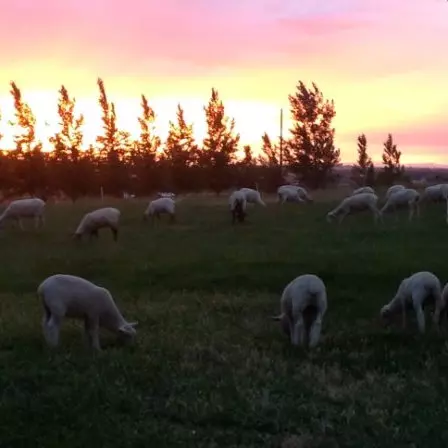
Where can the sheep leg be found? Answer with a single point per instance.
(297, 332)
(19, 223)
(417, 300)
(51, 330)
(173, 218)
(114, 233)
(91, 327)
(315, 330)
(411, 212)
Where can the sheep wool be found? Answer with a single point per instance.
(391, 190)
(401, 198)
(354, 204)
(238, 205)
(107, 217)
(363, 190)
(159, 207)
(25, 208)
(252, 196)
(303, 305)
(293, 193)
(413, 292)
(75, 297)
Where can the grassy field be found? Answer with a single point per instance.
(209, 369)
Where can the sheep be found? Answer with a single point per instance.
(293, 193)
(160, 206)
(69, 296)
(435, 193)
(238, 204)
(166, 195)
(25, 208)
(363, 190)
(405, 197)
(391, 190)
(444, 310)
(413, 292)
(107, 217)
(303, 306)
(356, 203)
(252, 196)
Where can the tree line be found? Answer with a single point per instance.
(118, 163)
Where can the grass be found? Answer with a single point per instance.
(209, 369)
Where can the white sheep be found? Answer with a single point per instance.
(238, 205)
(363, 190)
(413, 292)
(391, 190)
(353, 204)
(252, 196)
(293, 193)
(435, 193)
(303, 306)
(75, 297)
(444, 310)
(166, 195)
(159, 207)
(25, 208)
(407, 197)
(107, 217)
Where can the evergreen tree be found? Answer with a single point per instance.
(392, 168)
(270, 152)
(363, 172)
(311, 151)
(220, 144)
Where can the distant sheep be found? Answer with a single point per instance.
(238, 204)
(407, 197)
(293, 193)
(252, 196)
(74, 297)
(435, 193)
(412, 293)
(92, 222)
(393, 189)
(363, 190)
(354, 204)
(161, 206)
(25, 208)
(166, 195)
(303, 306)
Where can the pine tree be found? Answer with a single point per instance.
(363, 171)
(392, 169)
(311, 151)
(220, 145)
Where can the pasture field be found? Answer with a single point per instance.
(209, 369)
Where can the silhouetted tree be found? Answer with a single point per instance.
(270, 152)
(392, 169)
(363, 172)
(220, 145)
(30, 166)
(311, 151)
(180, 151)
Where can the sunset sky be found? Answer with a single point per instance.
(383, 62)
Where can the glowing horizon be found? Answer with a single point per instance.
(383, 76)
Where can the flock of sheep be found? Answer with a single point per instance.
(303, 302)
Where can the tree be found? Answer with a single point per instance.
(113, 147)
(220, 144)
(270, 152)
(311, 150)
(363, 172)
(30, 164)
(392, 169)
(180, 151)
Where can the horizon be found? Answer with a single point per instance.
(254, 55)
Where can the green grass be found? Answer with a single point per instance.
(209, 369)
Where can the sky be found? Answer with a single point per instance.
(383, 63)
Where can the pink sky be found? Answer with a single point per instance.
(383, 62)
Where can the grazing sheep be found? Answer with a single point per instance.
(444, 311)
(412, 293)
(408, 197)
(238, 203)
(166, 195)
(303, 306)
(107, 217)
(159, 207)
(25, 208)
(252, 196)
(391, 190)
(357, 203)
(435, 193)
(293, 193)
(363, 190)
(75, 297)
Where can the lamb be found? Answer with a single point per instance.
(391, 190)
(160, 206)
(405, 197)
(293, 193)
(303, 306)
(75, 297)
(238, 204)
(107, 217)
(363, 190)
(356, 203)
(25, 208)
(413, 292)
(252, 196)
